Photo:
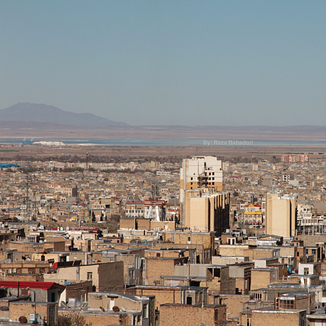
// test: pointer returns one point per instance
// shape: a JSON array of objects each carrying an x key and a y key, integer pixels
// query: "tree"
[{"x": 72, "y": 319}]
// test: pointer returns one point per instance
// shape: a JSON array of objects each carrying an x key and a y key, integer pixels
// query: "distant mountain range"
[
  {"x": 31, "y": 112},
  {"x": 40, "y": 120}
]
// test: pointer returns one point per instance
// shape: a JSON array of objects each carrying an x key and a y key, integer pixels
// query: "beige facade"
[
  {"x": 104, "y": 276},
  {"x": 46, "y": 311},
  {"x": 199, "y": 172},
  {"x": 171, "y": 294},
  {"x": 187, "y": 315},
  {"x": 281, "y": 213},
  {"x": 262, "y": 277},
  {"x": 278, "y": 317},
  {"x": 206, "y": 211},
  {"x": 233, "y": 304}
]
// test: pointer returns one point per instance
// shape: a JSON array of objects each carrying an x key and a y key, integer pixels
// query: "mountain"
[{"x": 31, "y": 112}]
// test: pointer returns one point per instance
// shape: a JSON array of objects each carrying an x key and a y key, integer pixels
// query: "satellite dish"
[
  {"x": 116, "y": 309},
  {"x": 22, "y": 319}
]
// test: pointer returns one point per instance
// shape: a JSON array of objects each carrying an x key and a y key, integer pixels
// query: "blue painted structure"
[{"x": 8, "y": 165}]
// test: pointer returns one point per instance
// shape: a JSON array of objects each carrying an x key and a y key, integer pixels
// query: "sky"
[{"x": 230, "y": 63}]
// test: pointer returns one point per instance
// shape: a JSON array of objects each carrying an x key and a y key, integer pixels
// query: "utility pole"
[
  {"x": 86, "y": 160},
  {"x": 175, "y": 204},
  {"x": 26, "y": 200}
]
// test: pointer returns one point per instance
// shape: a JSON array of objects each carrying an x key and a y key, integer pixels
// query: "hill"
[{"x": 31, "y": 112}]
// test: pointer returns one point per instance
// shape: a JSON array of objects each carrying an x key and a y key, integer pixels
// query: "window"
[
  {"x": 306, "y": 271},
  {"x": 145, "y": 310},
  {"x": 258, "y": 296},
  {"x": 89, "y": 275},
  {"x": 216, "y": 315},
  {"x": 217, "y": 272},
  {"x": 286, "y": 304}
]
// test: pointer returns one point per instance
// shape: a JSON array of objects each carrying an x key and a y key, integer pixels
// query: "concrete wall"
[{"x": 280, "y": 216}]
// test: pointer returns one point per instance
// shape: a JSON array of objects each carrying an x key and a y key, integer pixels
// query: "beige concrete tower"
[
  {"x": 281, "y": 215},
  {"x": 201, "y": 172},
  {"x": 203, "y": 206}
]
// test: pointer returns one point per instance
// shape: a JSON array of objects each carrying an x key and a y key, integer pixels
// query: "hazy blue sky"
[{"x": 168, "y": 62}]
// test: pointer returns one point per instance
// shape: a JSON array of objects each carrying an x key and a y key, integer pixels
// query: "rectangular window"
[
  {"x": 286, "y": 304},
  {"x": 217, "y": 272},
  {"x": 89, "y": 275},
  {"x": 145, "y": 310}
]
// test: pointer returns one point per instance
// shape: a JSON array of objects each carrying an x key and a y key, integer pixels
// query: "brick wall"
[
  {"x": 18, "y": 309},
  {"x": 234, "y": 304},
  {"x": 79, "y": 290},
  {"x": 275, "y": 318},
  {"x": 187, "y": 315},
  {"x": 162, "y": 295},
  {"x": 106, "y": 319},
  {"x": 155, "y": 267}
]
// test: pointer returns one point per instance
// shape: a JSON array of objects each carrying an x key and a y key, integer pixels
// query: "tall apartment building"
[
  {"x": 203, "y": 206},
  {"x": 281, "y": 215},
  {"x": 207, "y": 211},
  {"x": 201, "y": 172}
]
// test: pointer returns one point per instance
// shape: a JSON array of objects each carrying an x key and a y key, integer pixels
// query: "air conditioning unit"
[{"x": 33, "y": 317}]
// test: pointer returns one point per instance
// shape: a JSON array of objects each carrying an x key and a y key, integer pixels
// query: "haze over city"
[{"x": 169, "y": 62}]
